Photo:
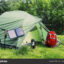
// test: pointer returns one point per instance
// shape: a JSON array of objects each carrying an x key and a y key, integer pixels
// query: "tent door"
[{"x": 43, "y": 31}]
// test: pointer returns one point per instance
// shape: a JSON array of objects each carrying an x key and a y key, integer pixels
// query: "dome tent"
[{"x": 15, "y": 19}]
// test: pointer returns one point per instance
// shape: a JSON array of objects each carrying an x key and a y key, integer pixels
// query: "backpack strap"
[{"x": 53, "y": 37}]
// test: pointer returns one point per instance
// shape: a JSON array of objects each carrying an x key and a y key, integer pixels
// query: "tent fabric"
[
  {"x": 43, "y": 30},
  {"x": 15, "y": 19}
]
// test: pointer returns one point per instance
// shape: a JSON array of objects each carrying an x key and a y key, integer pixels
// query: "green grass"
[{"x": 40, "y": 52}]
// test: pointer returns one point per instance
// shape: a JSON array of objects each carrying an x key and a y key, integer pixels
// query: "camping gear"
[
  {"x": 33, "y": 43},
  {"x": 51, "y": 40},
  {"x": 12, "y": 34},
  {"x": 31, "y": 25},
  {"x": 19, "y": 32},
  {"x": 15, "y": 33}
]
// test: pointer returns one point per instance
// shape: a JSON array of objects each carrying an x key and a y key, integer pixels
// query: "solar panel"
[
  {"x": 19, "y": 32},
  {"x": 12, "y": 34}
]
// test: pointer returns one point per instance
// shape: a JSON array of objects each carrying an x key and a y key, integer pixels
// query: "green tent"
[{"x": 32, "y": 26}]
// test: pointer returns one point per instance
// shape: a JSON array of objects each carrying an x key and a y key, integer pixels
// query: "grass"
[{"x": 40, "y": 52}]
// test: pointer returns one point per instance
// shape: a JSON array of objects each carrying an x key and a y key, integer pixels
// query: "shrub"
[{"x": 23, "y": 50}]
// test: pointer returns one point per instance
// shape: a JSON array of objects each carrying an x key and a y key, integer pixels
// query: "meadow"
[{"x": 40, "y": 52}]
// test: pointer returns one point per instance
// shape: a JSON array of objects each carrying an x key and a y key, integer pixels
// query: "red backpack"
[{"x": 51, "y": 40}]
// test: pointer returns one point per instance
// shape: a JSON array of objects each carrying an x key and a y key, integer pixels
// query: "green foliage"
[
  {"x": 23, "y": 50},
  {"x": 61, "y": 38},
  {"x": 51, "y": 11},
  {"x": 3, "y": 7}
]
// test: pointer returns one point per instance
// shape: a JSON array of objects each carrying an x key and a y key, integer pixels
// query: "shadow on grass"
[{"x": 40, "y": 44}]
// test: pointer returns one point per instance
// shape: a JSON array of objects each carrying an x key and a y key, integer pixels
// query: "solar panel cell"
[
  {"x": 12, "y": 34},
  {"x": 19, "y": 32}
]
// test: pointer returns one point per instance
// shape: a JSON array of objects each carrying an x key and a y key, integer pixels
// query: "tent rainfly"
[{"x": 30, "y": 24}]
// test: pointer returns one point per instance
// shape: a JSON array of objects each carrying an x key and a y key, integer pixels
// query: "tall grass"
[
  {"x": 40, "y": 52},
  {"x": 23, "y": 50}
]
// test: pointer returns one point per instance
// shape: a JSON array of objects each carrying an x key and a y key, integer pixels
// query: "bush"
[{"x": 23, "y": 50}]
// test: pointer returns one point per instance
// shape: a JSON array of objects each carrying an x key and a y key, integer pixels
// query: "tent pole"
[{"x": 5, "y": 35}]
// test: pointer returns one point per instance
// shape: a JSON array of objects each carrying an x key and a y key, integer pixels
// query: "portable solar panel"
[
  {"x": 19, "y": 32},
  {"x": 12, "y": 34}
]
